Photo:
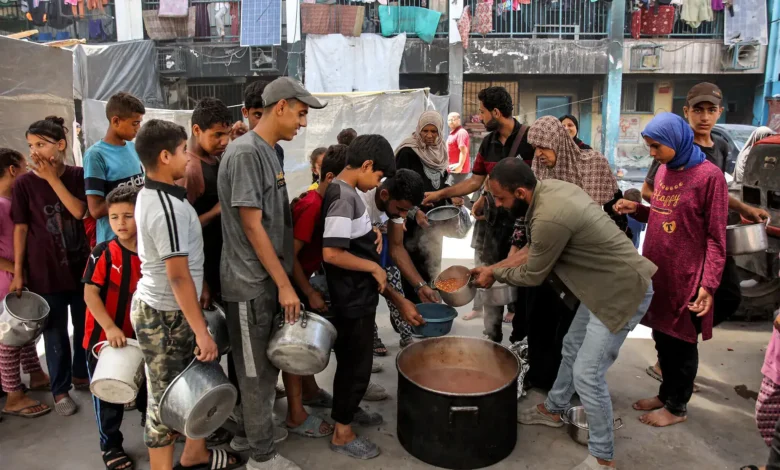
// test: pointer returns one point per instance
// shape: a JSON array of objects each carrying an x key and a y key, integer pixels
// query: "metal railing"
[
  {"x": 706, "y": 30},
  {"x": 96, "y": 25},
  {"x": 212, "y": 19},
  {"x": 566, "y": 19}
]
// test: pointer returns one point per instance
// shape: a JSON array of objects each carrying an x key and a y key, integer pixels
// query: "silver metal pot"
[
  {"x": 302, "y": 348},
  {"x": 463, "y": 295},
  {"x": 743, "y": 239},
  {"x": 499, "y": 295},
  {"x": 577, "y": 424},
  {"x": 217, "y": 324},
  {"x": 199, "y": 400},
  {"x": 445, "y": 219},
  {"x": 22, "y": 318}
]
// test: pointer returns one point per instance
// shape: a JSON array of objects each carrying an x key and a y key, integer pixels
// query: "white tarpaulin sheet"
[
  {"x": 33, "y": 86},
  {"x": 340, "y": 64},
  {"x": 95, "y": 124},
  {"x": 393, "y": 115}
]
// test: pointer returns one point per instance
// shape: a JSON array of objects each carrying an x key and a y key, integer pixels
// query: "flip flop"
[
  {"x": 20, "y": 413},
  {"x": 360, "y": 448},
  {"x": 532, "y": 416},
  {"x": 40, "y": 388},
  {"x": 322, "y": 400},
  {"x": 310, "y": 428},
  {"x": 375, "y": 392},
  {"x": 654, "y": 374},
  {"x": 218, "y": 460}
]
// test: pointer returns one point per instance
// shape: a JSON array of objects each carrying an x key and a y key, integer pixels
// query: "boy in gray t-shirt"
[{"x": 257, "y": 259}]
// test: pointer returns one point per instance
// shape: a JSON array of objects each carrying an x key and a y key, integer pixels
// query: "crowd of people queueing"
[{"x": 183, "y": 221}]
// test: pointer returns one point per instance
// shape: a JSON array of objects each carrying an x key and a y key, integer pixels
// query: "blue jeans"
[
  {"x": 62, "y": 366},
  {"x": 589, "y": 349}
]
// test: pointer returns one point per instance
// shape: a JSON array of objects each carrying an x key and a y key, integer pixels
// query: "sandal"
[
  {"x": 360, "y": 448},
  {"x": 322, "y": 400},
  {"x": 653, "y": 372},
  {"x": 218, "y": 460},
  {"x": 117, "y": 459},
  {"x": 312, "y": 427},
  {"x": 34, "y": 414},
  {"x": 406, "y": 342},
  {"x": 66, "y": 407},
  {"x": 748, "y": 467},
  {"x": 379, "y": 348}
]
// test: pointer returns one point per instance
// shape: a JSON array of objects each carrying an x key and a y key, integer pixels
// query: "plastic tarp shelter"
[
  {"x": 32, "y": 86},
  {"x": 100, "y": 71}
]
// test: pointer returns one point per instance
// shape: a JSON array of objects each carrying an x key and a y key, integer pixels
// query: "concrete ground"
[{"x": 720, "y": 432}]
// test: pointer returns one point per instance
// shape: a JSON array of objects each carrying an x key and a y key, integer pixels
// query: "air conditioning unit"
[
  {"x": 262, "y": 59},
  {"x": 645, "y": 58},
  {"x": 171, "y": 60},
  {"x": 741, "y": 56}
]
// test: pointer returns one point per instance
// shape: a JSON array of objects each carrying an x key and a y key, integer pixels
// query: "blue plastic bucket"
[{"x": 438, "y": 317}]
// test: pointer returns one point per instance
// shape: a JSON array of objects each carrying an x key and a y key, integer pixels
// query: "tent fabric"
[{"x": 340, "y": 64}]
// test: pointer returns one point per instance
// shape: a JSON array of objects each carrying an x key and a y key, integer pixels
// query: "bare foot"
[
  {"x": 472, "y": 315},
  {"x": 18, "y": 402},
  {"x": 509, "y": 317},
  {"x": 343, "y": 435},
  {"x": 648, "y": 404},
  {"x": 661, "y": 418}
]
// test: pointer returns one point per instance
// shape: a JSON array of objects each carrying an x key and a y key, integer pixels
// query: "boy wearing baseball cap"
[{"x": 257, "y": 259}]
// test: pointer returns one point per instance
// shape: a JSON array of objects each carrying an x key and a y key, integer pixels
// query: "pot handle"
[
  {"x": 304, "y": 317},
  {"x": 617, "y": 423},
  {"x": 28, "y": 327},
  {"x": 101, "y": 344},
  {"x": 565, "y": 420},
  {"x": 464, "y": 416}
]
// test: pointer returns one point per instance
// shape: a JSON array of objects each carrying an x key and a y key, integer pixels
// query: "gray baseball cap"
[{"x": 286, "y": 88}]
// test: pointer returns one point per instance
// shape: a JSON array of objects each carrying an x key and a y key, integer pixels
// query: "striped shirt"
[
  {"x": 348, "y": 226},
  {"x": 168, "y": 226}
]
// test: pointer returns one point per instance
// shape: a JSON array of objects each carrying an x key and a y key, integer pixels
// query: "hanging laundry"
[
  {"x": 483, "y": 18},
  {"x": 521, "y": 2},
  {"x": 503, "y": 6},
  {"x": 235, "y": 20},
  {"x": 173, "y": 8},
  {"x": 658, "y": 20},
  {"x": 316, "y": 19},
  {"x": 464, "y": 27},
  {"x": 202, "y": 25},
  {"x": 421, "y": 21},
  {"x": 162, "y": 29},
  {"x": 695, "y": 12},
  {"x": 636, "y": 23},
  {"x": 717, "y": 5},
  {"x": 38, "y": 15}
]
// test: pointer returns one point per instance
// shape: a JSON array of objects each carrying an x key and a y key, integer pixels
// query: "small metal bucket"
[
  {"x": 22, "y": 318},
  {"x": 302, "y": 348},
  {"x": 119, "y": 373},
  {"x": 577, "y": 424}
]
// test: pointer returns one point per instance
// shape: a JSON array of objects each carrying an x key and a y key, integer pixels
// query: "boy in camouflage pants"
[{"x": 166, "y": 314}]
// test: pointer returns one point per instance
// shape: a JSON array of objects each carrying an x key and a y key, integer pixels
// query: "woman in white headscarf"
[{"x": 758, "y": 134}]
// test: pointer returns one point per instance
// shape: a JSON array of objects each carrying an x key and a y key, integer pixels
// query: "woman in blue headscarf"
[{"x": 686, "y": 239}]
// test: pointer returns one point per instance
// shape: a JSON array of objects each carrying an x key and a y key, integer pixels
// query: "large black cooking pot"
[{"x": 457, "y": 401}]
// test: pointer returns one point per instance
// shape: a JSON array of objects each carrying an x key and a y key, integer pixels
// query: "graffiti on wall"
[{"x": 629, "y": 130}]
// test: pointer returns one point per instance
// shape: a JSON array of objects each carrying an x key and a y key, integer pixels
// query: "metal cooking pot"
[
  {"x": 742, "y": 239},
  {"x": 22, "y": 318},
  {"x": 463, "y": 295},
  {"x": 499, "y": 295},
  {"x": 217, "y": 325},
  {"x": 302, "y": 348},
  {"x": 199, "y": 400},
  {"x": 457, "y": 401},
  {"x": 446, "y": 219},
  {"x": 577, "y": 424},
  {"x": 119, "y": 373}
]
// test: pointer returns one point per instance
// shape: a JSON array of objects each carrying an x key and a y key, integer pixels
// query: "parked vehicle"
[{"x": 735, "y": 135}]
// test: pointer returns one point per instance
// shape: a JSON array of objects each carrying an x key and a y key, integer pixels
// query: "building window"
[
  {"x": 637, "y": 97},
  {"x": 552, "y": 105}
]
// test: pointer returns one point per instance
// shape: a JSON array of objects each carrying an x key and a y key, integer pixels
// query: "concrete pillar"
[
  {"x": 772, "y": 72},
  {"x": 610, "y": 116},
  {"x": 295, "y": 61},
  {"x": 455, "y": 78}
]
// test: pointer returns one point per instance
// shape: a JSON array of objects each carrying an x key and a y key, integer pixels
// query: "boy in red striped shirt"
[{"x": 110, "y": 281}]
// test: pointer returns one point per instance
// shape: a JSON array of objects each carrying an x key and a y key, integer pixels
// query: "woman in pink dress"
[{"x": 686, "y": 235}]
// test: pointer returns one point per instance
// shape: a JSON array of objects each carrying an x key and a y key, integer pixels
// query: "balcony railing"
[
  {"x": 706, "y": 30},
  {"x": 573, "y": 19},
  {"x": 96, "y": 25},
  {"x": 215, "y": 20}
]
